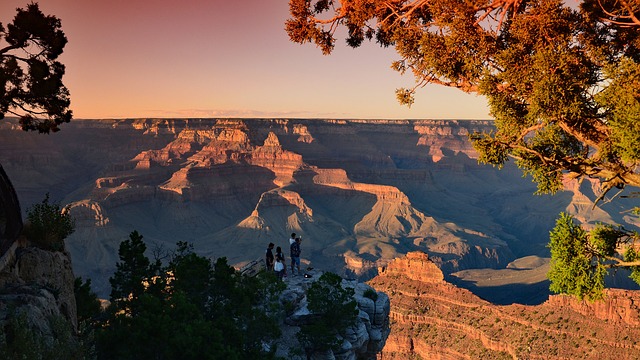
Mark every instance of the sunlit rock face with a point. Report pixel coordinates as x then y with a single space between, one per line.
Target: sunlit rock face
434 319
360 192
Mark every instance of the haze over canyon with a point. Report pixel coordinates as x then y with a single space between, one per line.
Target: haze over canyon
360 192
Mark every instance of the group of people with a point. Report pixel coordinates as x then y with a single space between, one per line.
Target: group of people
277 262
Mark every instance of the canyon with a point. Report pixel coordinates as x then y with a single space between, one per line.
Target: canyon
361 193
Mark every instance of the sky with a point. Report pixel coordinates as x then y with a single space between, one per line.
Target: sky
216 58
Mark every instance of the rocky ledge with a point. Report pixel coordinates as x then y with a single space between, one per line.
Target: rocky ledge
437 320
364 340
38 285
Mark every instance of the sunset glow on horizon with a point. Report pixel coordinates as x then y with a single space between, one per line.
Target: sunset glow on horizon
142 58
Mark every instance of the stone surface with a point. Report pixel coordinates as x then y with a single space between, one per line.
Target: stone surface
52 271
10 216
434 319
39 285
363 341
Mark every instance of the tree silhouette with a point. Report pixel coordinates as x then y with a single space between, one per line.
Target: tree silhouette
30 76
31 88
189 308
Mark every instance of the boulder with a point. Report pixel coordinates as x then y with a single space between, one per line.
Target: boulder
38 286
50 270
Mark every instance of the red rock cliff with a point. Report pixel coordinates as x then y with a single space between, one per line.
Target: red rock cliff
436 320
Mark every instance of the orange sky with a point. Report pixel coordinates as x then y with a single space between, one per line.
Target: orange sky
214 58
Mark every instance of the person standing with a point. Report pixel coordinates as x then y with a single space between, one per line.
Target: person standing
292 240
295 256
269 257
280 266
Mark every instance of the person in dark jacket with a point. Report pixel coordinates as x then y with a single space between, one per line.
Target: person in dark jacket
269 257
295 256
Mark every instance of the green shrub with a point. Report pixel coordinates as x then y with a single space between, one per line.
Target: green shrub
48 225
335 309
19 340
371 294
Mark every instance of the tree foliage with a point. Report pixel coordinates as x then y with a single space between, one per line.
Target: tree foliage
189 308
581 259
133 273
87 303
48 225
562 82
30 76
335 310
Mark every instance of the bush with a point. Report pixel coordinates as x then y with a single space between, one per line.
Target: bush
371 294
48 225
20 340
336 310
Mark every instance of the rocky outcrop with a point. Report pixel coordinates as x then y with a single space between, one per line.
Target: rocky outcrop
438 135
303 131
10 217
271 156
618 306
88 213
417 267
364 340
436 320
37 285
52 272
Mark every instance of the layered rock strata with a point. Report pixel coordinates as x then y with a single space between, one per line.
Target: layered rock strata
436 320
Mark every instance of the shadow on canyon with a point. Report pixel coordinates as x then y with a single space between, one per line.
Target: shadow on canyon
507 294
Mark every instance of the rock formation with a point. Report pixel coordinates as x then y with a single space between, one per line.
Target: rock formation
37 284
437 320
10 216
363 341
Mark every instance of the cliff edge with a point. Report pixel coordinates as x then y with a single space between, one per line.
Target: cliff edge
37 285
437 320
364 340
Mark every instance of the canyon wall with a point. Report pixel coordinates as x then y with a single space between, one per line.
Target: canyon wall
434 319
360 192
